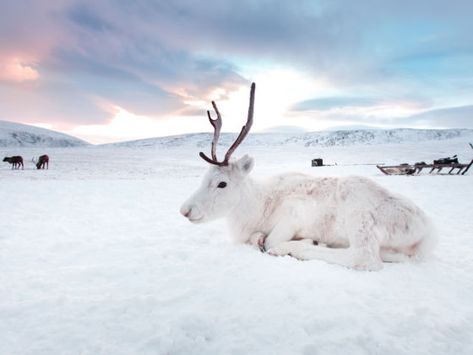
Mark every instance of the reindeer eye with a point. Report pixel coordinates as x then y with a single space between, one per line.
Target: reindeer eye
222 184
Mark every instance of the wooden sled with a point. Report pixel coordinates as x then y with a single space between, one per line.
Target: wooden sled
416 169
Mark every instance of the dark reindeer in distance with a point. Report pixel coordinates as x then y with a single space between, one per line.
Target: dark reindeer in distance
15 161
43 161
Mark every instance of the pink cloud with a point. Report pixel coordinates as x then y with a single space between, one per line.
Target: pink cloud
15 70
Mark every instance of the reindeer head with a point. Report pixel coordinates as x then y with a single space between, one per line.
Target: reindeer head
224 183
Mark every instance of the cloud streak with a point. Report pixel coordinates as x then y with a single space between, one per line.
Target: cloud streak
449 117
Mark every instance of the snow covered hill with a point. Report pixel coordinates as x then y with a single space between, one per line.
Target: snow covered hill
20 135
309 139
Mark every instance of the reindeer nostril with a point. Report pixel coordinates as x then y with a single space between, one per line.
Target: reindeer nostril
186 211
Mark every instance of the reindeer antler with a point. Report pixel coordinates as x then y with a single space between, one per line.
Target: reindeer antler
217 125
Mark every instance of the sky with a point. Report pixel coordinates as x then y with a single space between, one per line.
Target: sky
117 70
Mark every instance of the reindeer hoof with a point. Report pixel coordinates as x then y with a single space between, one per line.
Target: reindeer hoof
278 251
257 240
261 243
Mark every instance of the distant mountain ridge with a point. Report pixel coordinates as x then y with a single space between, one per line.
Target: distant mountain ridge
21 135
308 139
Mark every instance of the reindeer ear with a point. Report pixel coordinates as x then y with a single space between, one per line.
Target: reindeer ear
245 164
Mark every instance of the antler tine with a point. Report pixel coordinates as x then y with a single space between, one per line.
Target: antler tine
217 125
245 129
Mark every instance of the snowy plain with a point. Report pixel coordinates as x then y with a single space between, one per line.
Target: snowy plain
96 259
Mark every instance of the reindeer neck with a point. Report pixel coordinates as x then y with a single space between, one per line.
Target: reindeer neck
246 212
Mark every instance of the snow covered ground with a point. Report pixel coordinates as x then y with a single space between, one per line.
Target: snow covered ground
95 259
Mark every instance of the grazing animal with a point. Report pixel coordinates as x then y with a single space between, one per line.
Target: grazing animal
43 161
15 162
350 221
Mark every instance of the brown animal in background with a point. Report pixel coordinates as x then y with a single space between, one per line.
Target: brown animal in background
15 161
43 160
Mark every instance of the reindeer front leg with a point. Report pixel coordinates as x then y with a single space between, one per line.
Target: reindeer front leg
282 232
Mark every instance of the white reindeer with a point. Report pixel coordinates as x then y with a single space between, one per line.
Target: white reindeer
360 223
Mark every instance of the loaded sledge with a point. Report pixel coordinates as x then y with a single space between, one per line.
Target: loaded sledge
451 163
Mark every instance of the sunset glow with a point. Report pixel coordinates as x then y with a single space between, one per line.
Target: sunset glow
128 126
14 69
